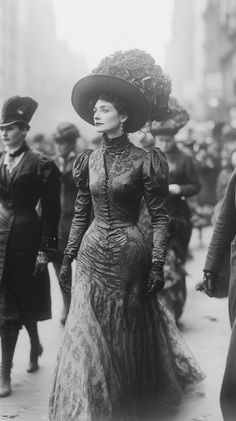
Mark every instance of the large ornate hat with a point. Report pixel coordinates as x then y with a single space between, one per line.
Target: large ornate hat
176 118
92 86
132 75
66 132
18 109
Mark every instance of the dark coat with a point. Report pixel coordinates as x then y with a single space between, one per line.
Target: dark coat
182 171
23 232
223 242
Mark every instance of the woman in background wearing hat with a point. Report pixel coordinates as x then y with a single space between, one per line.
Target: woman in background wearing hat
26 177
66 150
183 177
121 354
183 184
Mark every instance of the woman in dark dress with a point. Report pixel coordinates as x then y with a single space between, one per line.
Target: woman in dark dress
26 239
183 184
121 356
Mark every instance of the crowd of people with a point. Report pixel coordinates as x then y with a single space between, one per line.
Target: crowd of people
122 206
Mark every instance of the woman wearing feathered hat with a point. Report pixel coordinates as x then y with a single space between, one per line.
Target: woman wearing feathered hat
26 177
118 358
183 183
183 177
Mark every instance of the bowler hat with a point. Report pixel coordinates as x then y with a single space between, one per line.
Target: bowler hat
66 132
93 86
18 109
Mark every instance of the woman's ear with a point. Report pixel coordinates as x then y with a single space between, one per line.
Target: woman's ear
124 118
24 131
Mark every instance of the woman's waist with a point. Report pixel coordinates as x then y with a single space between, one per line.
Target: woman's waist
105 237
113 223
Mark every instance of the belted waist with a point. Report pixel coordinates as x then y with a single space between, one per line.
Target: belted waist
114 224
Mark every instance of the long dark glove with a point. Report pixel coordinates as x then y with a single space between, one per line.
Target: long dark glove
156 280
42 260
65 275
209 284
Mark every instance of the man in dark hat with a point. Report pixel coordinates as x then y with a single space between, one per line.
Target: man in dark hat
65 139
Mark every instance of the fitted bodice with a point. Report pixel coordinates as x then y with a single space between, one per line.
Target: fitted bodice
114 178
116 183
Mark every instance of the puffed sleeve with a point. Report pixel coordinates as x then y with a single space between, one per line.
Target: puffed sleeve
83 203
155 187
49 176
225 229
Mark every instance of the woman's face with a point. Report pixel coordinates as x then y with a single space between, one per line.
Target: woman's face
107 119
12 136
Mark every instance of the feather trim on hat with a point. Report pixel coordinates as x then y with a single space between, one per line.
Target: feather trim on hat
176 118
138 67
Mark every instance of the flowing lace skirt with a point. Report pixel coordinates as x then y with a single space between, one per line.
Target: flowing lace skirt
121 354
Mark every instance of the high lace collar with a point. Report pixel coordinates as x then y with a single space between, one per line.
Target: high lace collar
115 145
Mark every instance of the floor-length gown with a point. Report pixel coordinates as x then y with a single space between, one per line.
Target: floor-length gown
121 353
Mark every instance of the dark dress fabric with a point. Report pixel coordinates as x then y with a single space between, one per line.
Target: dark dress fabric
182 171
23 232
67 196
121 354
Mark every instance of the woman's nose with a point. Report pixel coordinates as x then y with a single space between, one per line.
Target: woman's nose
96 115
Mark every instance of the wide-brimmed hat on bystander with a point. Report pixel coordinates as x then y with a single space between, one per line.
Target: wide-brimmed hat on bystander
176 118
17 109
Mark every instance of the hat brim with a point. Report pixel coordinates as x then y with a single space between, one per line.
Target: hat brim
93 86
10 123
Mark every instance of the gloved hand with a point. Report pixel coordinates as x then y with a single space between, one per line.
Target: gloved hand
41 262
156 280
209 284
65 275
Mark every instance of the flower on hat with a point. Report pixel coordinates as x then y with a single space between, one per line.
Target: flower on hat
139 68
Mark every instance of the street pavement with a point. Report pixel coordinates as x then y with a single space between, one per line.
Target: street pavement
204 326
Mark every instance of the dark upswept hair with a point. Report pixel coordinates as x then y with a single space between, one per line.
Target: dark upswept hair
138 67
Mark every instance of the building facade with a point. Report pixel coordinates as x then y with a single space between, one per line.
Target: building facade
33 62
